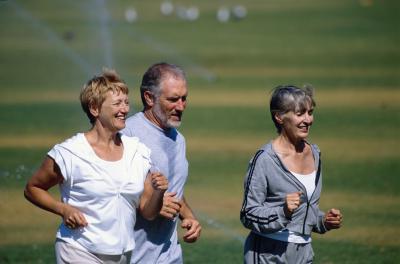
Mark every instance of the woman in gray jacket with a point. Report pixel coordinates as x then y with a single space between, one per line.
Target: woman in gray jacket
283 186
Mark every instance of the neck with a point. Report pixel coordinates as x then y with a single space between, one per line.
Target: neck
101 136
289 144
149 114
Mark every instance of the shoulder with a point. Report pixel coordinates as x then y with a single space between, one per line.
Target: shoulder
134 144
180 136
129 141
315 149
71 143
64 153
263 154
131 123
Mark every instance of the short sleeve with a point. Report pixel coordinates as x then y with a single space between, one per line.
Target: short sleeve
56 154
146 153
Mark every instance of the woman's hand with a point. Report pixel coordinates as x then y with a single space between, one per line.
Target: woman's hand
292 202
36 191
73 218
159 182
333 219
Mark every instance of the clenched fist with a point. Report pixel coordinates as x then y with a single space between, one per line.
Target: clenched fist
159 182
292 202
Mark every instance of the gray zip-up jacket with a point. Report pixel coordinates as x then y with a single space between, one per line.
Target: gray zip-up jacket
265 187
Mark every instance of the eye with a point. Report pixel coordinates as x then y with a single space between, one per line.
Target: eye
176 99
173 99
120 103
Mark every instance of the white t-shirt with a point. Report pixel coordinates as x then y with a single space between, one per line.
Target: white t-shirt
106 192
308 180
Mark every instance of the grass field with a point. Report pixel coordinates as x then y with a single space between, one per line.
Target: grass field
348 50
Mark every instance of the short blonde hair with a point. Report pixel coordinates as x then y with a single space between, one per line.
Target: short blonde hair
95 90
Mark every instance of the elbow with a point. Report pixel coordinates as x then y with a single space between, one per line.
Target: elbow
147 212
148 215
245 221
27 193
150 218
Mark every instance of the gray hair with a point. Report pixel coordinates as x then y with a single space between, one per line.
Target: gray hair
286 98
154 75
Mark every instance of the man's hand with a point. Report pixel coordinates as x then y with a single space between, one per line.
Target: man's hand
193 228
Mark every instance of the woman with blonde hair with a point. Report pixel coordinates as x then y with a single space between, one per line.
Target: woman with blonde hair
103 177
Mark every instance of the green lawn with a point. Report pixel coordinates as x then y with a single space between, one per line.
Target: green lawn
348 50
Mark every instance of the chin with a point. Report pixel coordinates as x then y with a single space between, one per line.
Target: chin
120 127
303 137
173 124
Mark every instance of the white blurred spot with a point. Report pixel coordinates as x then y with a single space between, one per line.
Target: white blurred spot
192 13
167 8
223 14
239 12
131 15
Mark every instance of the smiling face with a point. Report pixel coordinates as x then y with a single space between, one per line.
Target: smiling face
296 124
113 111
170 104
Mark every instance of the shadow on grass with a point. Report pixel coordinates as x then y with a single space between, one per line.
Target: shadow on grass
224 251
35 253
346 252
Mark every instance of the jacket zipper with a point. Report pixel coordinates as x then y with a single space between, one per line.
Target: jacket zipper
309 200
305 217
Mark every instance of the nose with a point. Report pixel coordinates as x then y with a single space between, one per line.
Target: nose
181 105
125 108
308 118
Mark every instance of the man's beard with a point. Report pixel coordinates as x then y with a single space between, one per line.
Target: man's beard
163 119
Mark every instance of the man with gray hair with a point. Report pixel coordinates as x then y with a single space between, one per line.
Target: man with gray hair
164 92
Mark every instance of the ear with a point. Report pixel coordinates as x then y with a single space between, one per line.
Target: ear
278 118
149 98
94 110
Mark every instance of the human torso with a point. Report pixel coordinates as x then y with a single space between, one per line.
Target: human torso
280 181
157 240
168 150
106 192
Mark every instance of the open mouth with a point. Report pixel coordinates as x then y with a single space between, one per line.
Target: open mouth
304 128
122 118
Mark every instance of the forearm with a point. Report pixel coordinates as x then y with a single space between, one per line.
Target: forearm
151 207
186 211
320 227
264 219
43 199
